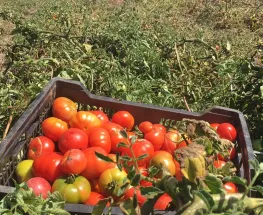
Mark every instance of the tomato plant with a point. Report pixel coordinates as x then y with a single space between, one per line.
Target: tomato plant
85 120
227 131
53 128
95 166
73 138
73 161
64 108
124 119
94 198
100 137
135 190
156 137
101 115
40 186
38 146
232 154
110 164
73 189
144 172
230 187
47 166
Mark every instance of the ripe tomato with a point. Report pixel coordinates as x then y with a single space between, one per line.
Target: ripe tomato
124 119
110 181
156 137
227 131
230 187
162 202
53 128
219 163
94 198
95 166
47 166
140 147
214 125
85 120
130 193
100 137
74 190
64 108
144 172
162 163
159 126
171 141
145 127
112 165
232 154
178 172
38 146
74 161
115 135
73 138
40 186
101 115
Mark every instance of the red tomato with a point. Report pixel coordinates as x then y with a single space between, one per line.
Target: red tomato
214 125
171 141
115 135
232 154
94 198
227 131
230 187
85 120
38 146
47 166
73 138
156 137
160 126
178 172
40 186
130 193
101 115
124 119
131 134
144 172
53 128
219 163
64 108
145 127
73 162
140 147
95 166
162 202
112 165
100 137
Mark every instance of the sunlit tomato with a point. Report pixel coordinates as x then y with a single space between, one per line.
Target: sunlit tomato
110 181
162 163
95 166
163 202
85 120
94 198
73 189
101 115
227 131
156 137
73 162
73 138
140 147
230 187
38 146
159 126
94 185
214 125
232 154
53 128
64 108
145 127
178 172
47 166
124 119
112 165
144 172
116 137
40 186
130 193
171 141
219 163
164 154
100 137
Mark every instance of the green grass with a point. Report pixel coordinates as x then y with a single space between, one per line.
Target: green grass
153 51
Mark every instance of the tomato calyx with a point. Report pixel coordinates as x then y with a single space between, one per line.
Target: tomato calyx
70 179
112 185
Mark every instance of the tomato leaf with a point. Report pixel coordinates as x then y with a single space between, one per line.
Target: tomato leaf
122 144
153 171
255 164
205 197
142 156
99 208
213 183
150 192
131 172
135 181
126 158
124 134
123 188
133 139
127 207
148 206
103 157
236 180
134 200
258 188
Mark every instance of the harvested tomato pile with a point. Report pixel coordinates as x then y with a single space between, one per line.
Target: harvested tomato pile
88 156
